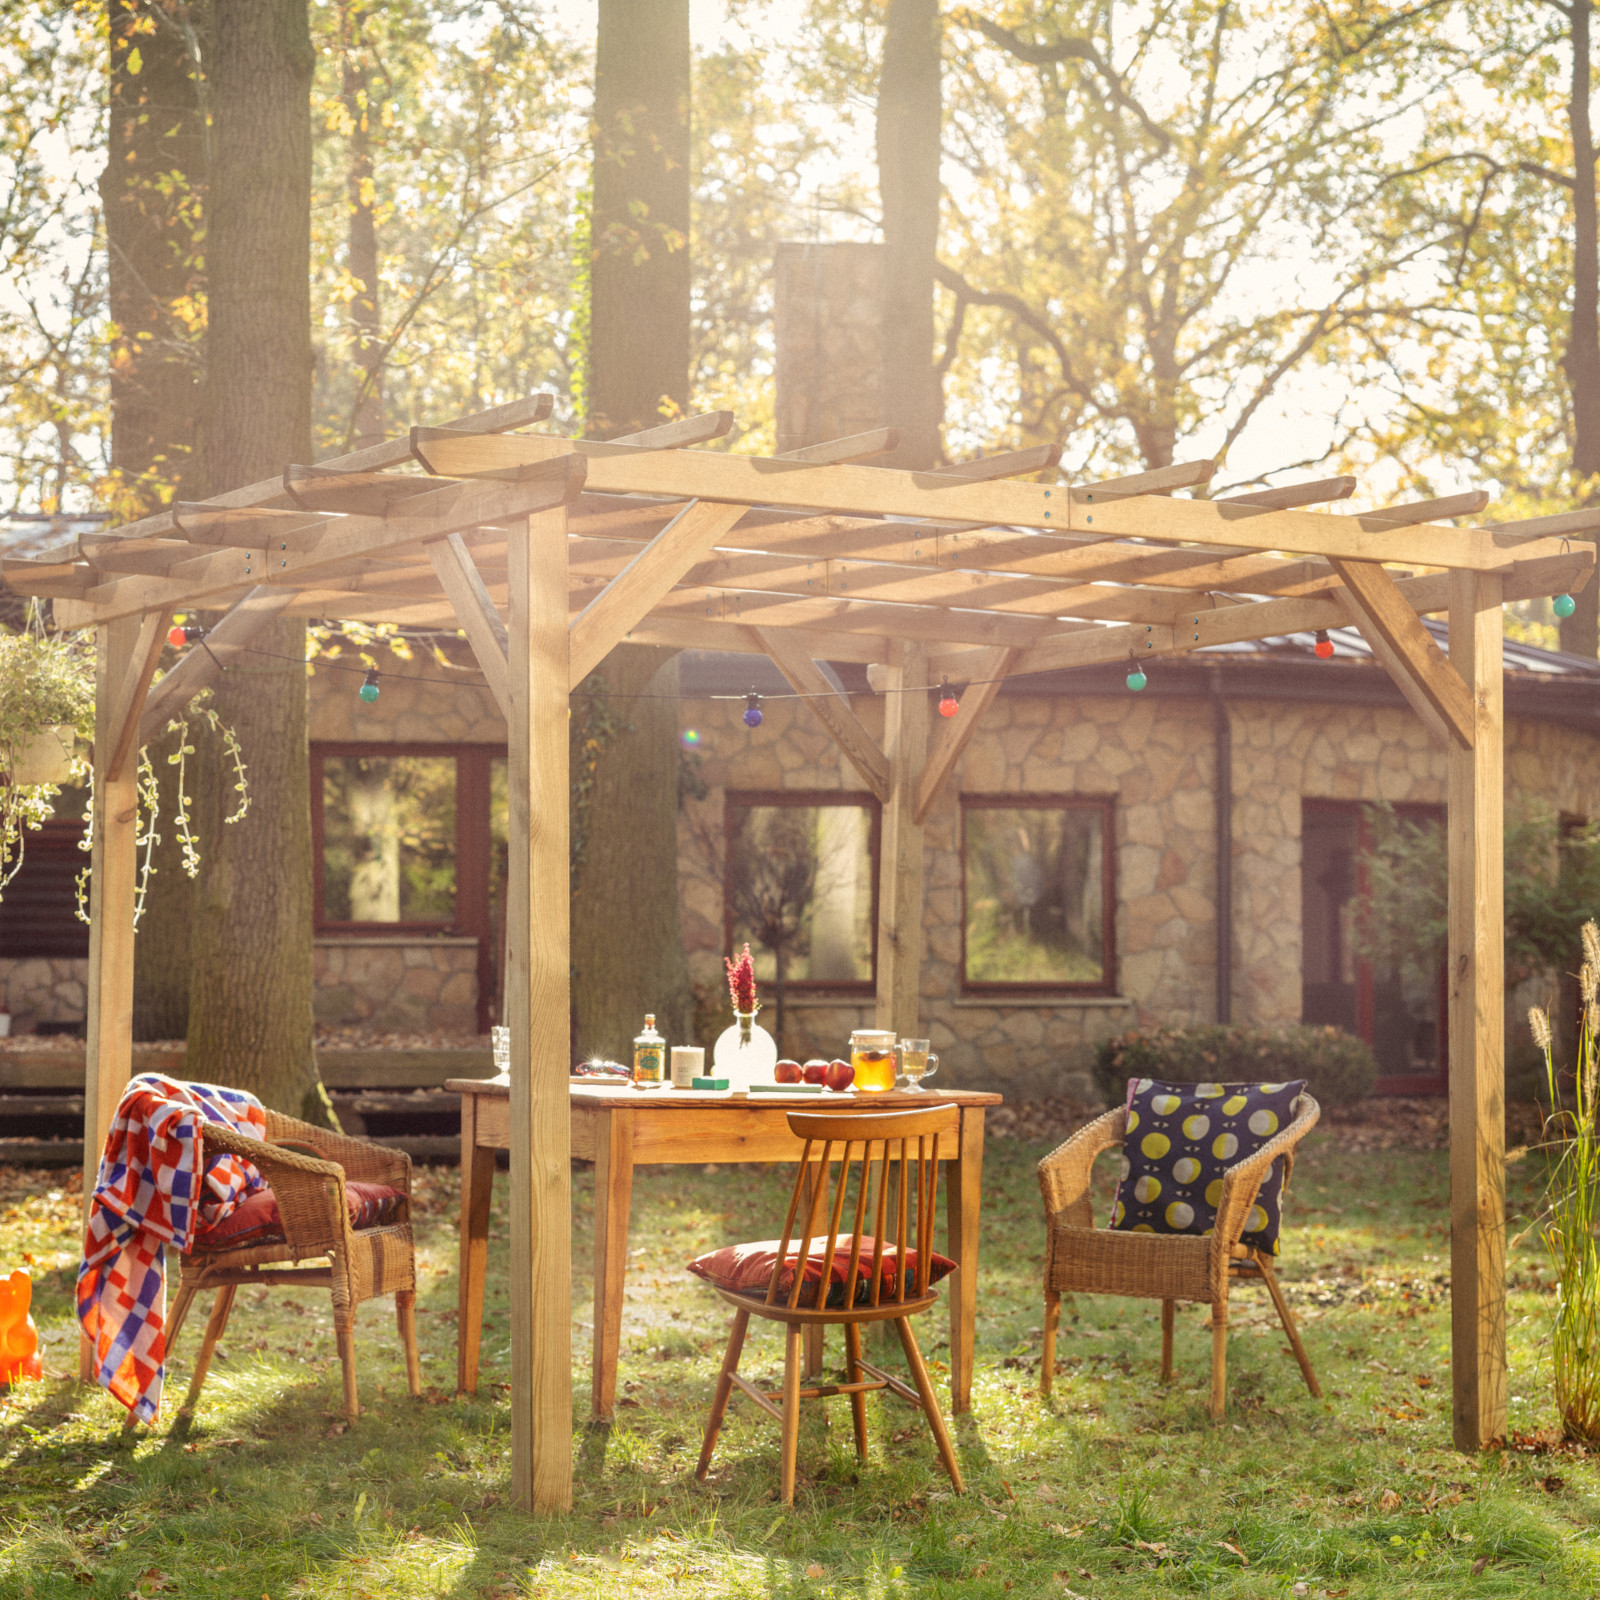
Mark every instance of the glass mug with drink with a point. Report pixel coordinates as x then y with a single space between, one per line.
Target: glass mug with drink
872 1056
916 1063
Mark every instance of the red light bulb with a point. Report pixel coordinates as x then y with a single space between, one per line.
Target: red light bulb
176 637
948 704
1324 645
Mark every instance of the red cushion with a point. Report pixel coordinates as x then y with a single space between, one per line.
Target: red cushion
255 1220
747 1269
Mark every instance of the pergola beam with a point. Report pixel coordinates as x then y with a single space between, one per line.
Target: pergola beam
830 708
475 611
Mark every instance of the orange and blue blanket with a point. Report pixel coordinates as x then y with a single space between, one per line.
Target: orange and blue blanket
156 1186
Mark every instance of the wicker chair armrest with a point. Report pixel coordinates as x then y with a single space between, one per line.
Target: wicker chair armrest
362 1161
1242 1181
266 1157
309 1191
1064 1173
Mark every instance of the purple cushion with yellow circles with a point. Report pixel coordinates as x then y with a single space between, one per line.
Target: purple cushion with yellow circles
1181 1139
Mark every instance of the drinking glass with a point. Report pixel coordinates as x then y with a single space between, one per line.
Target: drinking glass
916 1063
500 1042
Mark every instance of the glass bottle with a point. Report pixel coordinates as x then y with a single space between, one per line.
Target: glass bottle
649 1055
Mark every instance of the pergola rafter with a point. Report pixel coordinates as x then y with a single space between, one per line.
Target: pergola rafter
548 552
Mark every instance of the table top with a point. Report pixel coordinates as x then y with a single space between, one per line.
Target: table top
598 1092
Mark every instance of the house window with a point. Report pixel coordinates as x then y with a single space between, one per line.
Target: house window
1400 1013
800 886
408 838
1039 895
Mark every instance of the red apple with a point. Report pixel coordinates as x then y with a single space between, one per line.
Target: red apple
816 1070
786 1072
840 1075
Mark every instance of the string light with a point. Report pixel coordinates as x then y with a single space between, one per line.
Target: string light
1563 605
1323 649
184 633
369 686
691 738
1136 678
948 704
752 710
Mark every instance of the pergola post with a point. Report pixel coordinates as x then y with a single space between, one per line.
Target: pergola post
538 1004
1477 1023
905 744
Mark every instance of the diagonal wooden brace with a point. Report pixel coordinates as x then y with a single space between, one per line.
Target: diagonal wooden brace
463 584
1419 668
646 580
829 707
203 666
988 672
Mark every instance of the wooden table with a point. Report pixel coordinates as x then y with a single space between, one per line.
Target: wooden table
618 1127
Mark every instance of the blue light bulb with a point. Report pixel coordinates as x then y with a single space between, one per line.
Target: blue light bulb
1137 679
1563 605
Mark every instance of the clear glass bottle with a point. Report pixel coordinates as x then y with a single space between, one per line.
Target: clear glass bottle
649 1056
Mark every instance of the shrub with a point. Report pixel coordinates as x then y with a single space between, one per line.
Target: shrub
1338 1067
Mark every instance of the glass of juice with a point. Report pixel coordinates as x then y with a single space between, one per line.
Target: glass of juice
872 1055
916 1063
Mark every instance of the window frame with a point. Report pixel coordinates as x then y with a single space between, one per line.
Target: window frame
1106 805
795 799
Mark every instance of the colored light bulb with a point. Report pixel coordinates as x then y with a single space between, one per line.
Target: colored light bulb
1137 679
948 704
691 738
1563 605
369 686
1324 645
752 711
184 633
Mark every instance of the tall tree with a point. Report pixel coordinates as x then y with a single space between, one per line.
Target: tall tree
250 1016
638 357
152 196
366 327
909 130
627 943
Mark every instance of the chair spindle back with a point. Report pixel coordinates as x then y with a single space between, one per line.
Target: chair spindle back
897 1149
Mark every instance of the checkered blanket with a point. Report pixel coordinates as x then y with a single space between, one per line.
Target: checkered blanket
155 1187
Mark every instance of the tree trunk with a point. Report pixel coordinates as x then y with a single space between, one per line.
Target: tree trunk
908 181
151 193
1580 633
627 939
638 370
366 418
250 1020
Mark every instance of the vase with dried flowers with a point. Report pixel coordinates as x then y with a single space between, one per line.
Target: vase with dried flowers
745 1053
1571 1215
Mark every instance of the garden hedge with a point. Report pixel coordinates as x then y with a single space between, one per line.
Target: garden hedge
1338 1068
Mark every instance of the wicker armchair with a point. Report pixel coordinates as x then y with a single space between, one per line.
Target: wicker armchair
307 1168
1168 1267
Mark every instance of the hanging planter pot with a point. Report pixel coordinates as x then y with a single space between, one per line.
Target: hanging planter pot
42 757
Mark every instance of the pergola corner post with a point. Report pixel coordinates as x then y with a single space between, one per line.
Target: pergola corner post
113 882
1477 1022
905 745
538 1004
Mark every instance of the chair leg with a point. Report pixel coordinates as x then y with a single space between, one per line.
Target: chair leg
1286 1317
188 1287
794 1356
930 1402
719 1401
347 1361
405 1316
1219 1358
858 1401
1047 1356
1168 1308
217 1322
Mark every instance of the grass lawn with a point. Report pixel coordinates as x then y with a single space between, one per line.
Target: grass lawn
1113 1487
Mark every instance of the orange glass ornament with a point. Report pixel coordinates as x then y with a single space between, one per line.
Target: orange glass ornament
19 1337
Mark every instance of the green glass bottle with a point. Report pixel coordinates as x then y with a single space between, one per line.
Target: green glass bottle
649 1056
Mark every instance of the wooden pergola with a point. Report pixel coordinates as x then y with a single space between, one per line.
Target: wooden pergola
547 552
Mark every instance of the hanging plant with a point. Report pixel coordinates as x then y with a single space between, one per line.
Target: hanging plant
47 714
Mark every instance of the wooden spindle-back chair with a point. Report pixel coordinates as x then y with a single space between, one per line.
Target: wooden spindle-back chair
893 1159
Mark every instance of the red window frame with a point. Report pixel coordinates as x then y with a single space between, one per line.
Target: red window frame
1106 805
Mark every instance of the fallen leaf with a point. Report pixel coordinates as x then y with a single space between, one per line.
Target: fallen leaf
1479 1565
1159 1548
1553 1484
815 1569
1388 1501
1223 1544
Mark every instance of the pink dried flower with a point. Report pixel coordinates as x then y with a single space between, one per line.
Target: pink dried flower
742 981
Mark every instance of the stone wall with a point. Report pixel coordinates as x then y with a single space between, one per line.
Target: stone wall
44 989
419 711
1156 757
398 981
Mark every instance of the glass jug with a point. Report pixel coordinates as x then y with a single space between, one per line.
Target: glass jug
872 1055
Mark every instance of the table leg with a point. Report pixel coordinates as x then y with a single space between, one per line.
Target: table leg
477 1189
613 1193
964 1195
